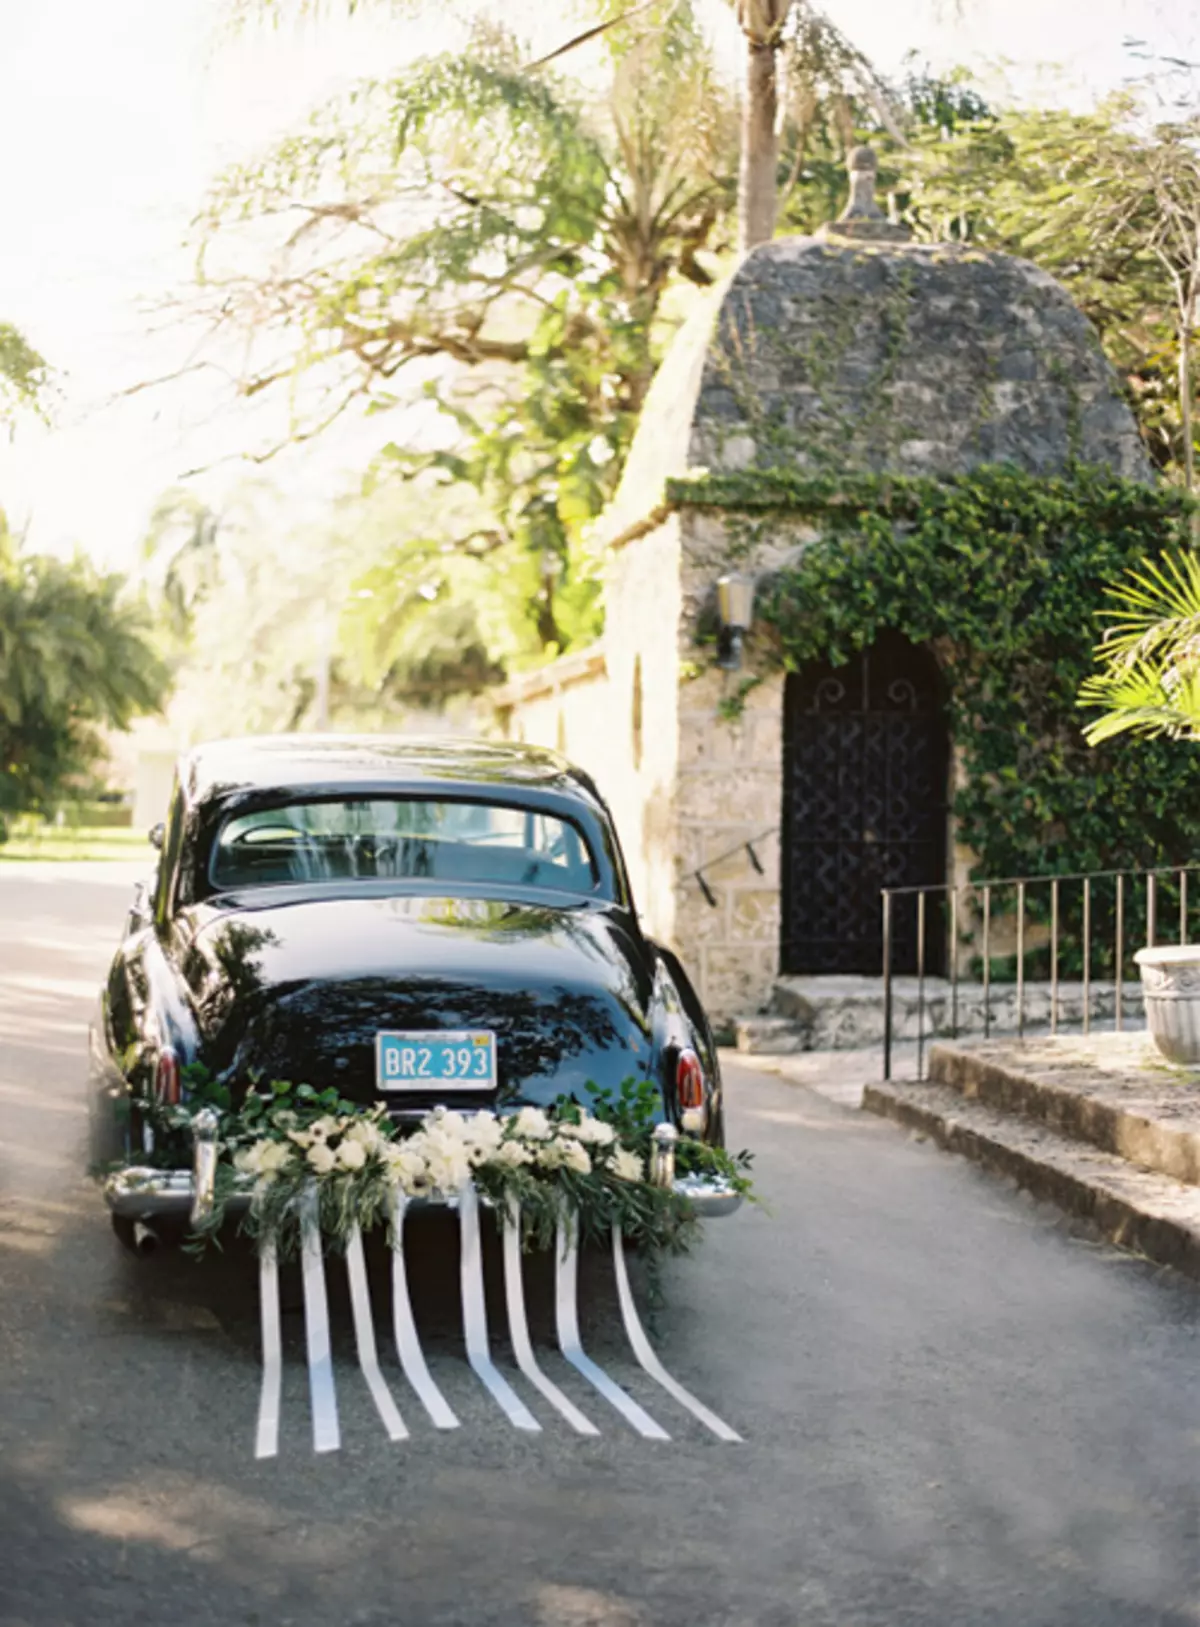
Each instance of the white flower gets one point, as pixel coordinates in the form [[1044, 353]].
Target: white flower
[[484, 1130], [407, 1166], [451, 1172], [563, 1153], [593, 1132], [627, 1166], [272, 1156], [351, 1154], [575, 1157], [531, 1123], [511, 1155], [365, 1134], [302, 1138], [321, 1157], [450, 1124], [263, 1158], [322, 1129]]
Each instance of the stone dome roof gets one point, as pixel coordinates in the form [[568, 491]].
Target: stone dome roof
[[907, 357], [822, 355]]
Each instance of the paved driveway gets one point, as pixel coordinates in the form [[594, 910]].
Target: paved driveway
[[954, 1412]]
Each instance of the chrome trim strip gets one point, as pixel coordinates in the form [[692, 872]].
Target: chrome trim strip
[[364, 1338], [645, 1354], [326, 1434], [266, 1440], [566, 1268], [404, 1327], [474, 1311], [141, 1192], [518, 1327]]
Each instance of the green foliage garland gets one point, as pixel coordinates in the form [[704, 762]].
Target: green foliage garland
[[288, 1144], [1003, 574]]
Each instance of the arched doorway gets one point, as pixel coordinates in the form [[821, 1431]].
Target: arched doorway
[[866, 765]]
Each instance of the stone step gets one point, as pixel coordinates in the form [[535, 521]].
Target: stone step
[[1137, 1209], [846, 1013], [1051, 1083]]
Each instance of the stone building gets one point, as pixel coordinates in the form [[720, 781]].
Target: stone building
[[753, 850]]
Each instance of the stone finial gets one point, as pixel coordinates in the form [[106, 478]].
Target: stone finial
[[862, 217]]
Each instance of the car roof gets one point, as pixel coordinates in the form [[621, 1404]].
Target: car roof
[[317, 763]]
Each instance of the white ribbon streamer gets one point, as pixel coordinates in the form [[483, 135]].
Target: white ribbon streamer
[[364, 1338], [518, 1327], [644, 1350], [475, 1314], [565, 1294], [404, 1327], [266, 1440], [326, 1434]]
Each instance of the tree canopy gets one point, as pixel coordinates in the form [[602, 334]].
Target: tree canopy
[[1110, 204], [76, 657]]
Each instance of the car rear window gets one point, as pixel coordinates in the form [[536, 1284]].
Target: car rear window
[[403, 838]]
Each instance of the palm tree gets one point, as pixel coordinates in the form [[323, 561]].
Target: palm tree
[[762, 22], [1149, 682]]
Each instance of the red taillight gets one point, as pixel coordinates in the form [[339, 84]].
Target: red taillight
[[167, 1086], [689, 1080]]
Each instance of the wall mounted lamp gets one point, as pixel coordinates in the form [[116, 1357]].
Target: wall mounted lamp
[[735, 611]]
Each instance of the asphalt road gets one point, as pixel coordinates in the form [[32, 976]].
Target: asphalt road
[[954, 1412]]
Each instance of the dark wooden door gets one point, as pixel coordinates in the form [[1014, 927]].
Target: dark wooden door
[[866, 764]]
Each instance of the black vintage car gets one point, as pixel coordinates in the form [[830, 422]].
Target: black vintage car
[[418, 922]]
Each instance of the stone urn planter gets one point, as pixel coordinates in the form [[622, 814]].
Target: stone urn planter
[[1171, 989]]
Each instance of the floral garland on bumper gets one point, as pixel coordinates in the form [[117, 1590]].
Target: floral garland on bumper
[[291, 1143]]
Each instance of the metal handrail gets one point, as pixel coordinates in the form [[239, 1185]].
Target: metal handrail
[[951, 893]]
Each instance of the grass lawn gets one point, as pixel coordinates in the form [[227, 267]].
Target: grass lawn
[[30, 841]]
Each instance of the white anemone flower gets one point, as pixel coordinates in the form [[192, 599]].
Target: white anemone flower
[[565, 1153], [321, 1157], [532, 1124], [351, 1154], [511, 1155], [449, 1123], [484, 1129], [365, 1133], [627, 1166], [407, 1166], [593, 1132], [273, 1156], [263, 1158]]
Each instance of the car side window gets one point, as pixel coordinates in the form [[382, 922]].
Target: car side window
[[120, 1011], [169, 857]]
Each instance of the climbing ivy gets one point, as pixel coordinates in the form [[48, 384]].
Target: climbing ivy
[[1002, 573]]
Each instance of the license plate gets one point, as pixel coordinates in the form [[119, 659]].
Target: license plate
[[447, 1059]]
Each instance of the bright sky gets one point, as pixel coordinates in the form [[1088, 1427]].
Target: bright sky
[[115, 113]]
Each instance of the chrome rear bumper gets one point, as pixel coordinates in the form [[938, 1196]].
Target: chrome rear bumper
[[139, 1192]]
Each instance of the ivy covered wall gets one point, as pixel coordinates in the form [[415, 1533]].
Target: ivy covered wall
[[1002, 573]]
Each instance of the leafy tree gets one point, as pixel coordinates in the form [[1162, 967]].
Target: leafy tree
[[24, 375], [75, 658], [1111, 207], [504, 246], [269, 625]]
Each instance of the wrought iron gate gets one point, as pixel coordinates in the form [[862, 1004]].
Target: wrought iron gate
[[866, 765]]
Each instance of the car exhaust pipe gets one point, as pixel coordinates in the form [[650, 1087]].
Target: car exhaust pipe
[[145, 1239]]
